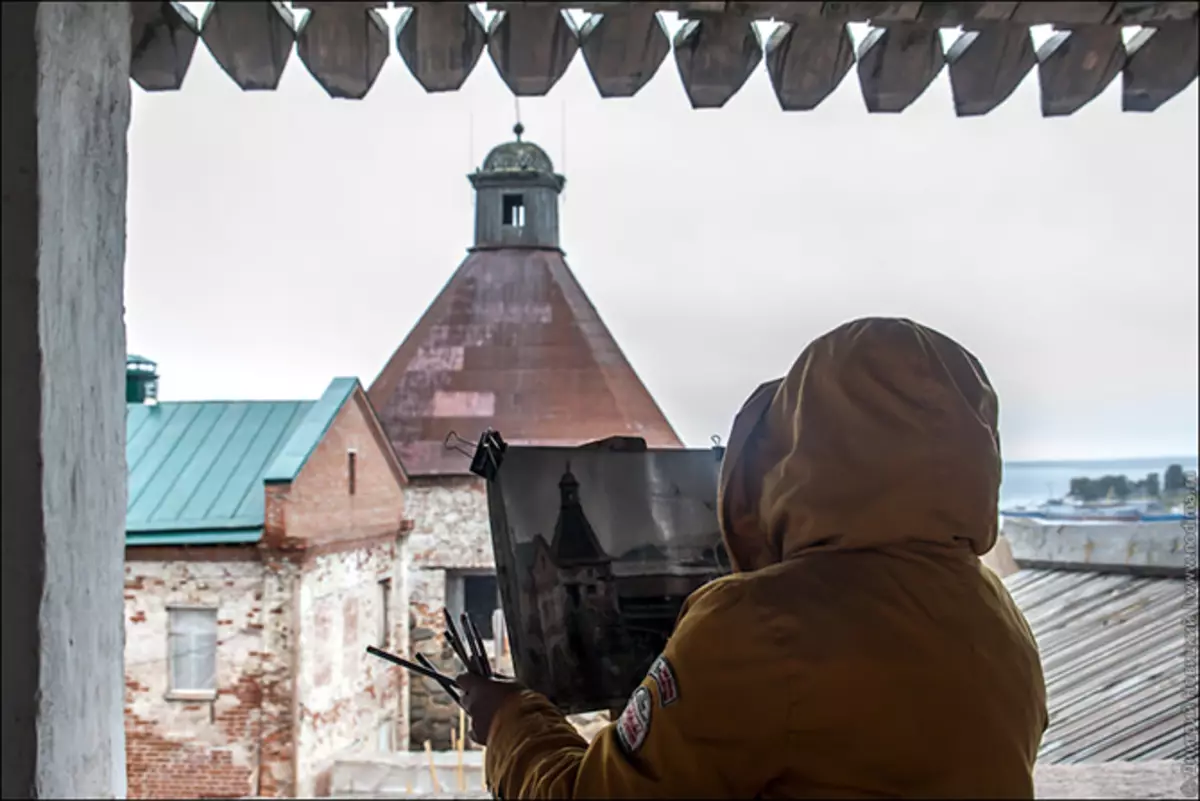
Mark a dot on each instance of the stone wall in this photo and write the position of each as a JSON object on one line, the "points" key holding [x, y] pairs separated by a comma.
{"points": [[177, 746], [345, 697], [450, 531]]}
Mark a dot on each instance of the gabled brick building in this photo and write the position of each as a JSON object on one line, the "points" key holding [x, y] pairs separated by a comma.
{"points": [[263, 552], [512, 343]]}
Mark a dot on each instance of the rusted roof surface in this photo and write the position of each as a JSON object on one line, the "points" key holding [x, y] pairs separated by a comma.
{"points": [[512, 343], [1114, 652]]}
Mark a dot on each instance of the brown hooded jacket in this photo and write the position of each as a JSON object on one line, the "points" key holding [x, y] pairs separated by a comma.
{"points": [[860, 649]]}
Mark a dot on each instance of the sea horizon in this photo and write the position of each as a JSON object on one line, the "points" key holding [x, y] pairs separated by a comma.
{"points": [[1034, 481]]}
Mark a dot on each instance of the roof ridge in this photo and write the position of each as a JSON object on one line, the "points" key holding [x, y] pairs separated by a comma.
{"points": [[296, 450], [223, 400]]}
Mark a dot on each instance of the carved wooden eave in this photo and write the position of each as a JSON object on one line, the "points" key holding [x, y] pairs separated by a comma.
{"points": [[807, 54]]}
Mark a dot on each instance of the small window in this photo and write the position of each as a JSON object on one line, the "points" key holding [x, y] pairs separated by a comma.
{"points": [[478, 595], [385, 616], [514, 211], [193, 650], [383, 737], [481, 599], [352, 471]]}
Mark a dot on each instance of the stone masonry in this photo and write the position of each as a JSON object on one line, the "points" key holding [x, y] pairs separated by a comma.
{"points": [[450, 532]]}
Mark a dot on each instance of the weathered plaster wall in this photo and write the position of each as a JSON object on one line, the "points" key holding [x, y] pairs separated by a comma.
{"points": [[1157, 546], [345, 697], [66, 111], [180, 748], [277, 682]]}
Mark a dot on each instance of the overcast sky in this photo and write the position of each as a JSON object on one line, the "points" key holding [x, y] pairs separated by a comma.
{"points": [[279, 239]]}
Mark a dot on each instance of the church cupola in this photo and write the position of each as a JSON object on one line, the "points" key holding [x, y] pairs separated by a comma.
{"points": [[516, 197]]}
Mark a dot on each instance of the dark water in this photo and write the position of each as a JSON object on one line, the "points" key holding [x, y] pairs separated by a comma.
{"points": [[1033, 482]]}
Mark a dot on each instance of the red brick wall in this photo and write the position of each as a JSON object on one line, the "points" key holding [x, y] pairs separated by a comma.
{"points": [[320, 508]]}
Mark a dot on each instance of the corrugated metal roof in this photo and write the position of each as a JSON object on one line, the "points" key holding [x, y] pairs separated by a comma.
{"points": [[198, 466], [514, 344], [1114, 654]]}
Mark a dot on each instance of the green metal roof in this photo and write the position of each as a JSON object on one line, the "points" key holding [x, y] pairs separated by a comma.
{"points": [[295, 451], [234, 536], [197, 468]]}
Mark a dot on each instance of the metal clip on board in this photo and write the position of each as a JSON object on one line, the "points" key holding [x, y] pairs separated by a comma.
{"points": [[487, 455], [718, 448]]}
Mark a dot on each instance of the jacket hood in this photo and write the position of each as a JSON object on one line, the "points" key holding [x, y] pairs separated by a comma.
{"points": [[883, 434]]}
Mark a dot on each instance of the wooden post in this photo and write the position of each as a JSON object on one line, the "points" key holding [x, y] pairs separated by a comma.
{"points": [[437, 786], [462, 744]]}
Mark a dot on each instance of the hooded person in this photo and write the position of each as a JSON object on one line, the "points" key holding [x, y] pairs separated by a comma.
{"points": [[860, 648]]}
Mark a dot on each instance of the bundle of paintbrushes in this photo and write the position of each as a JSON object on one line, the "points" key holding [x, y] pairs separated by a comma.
{"points": [[473, 656]]}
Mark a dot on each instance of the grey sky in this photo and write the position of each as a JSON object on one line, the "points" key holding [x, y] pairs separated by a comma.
{"points": [[279, 239]]}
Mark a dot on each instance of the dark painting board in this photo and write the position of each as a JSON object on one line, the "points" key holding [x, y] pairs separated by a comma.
{"points": [[596, 551]]}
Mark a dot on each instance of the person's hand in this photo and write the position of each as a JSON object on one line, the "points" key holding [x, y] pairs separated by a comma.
{"points": [[482, 698]]}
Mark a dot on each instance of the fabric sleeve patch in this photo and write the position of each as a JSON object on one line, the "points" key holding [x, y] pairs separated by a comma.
{"points": [[634, 723], [664, 677]]}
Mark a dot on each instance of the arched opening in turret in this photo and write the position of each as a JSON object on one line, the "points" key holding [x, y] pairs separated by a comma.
{"points": [[513, 209]]}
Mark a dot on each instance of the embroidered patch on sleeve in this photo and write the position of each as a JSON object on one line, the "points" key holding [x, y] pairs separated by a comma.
{"points": [[664, 677], [634, 723]]}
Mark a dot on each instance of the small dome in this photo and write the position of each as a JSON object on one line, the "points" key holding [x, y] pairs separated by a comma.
{"points": [[517, 156], [140, 362]]}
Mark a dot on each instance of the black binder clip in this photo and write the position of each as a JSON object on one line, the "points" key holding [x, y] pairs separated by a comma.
{"points": [[718, 448], [489, 453]]}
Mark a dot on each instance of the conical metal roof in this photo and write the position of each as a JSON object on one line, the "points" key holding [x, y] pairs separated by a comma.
{"points": [[511, 343]]}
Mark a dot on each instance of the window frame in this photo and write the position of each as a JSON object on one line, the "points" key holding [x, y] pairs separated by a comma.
{"points": [[384, 635], [177, 693]]}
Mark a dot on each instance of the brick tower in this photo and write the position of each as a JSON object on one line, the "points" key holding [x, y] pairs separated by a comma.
{"points": [[511, 343]]}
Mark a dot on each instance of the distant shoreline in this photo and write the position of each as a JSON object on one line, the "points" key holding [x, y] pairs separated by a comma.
{"points": [[1091, 463]]}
